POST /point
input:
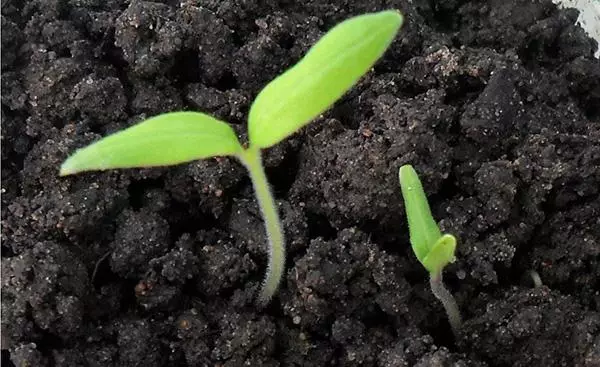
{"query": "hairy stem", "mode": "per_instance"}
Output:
(252, 160)
(441, 293)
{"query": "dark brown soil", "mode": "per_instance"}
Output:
(496, 104)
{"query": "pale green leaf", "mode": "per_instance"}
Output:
(166, 139)
(441, 254)
(329, 69)
(423, 230)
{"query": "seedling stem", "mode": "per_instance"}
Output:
(251, 158)
(440, 292)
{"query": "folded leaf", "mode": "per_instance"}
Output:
(166, 139)
(331, 67)
(440, 255)
(423, 230)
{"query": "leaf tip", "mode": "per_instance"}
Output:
(394, 15)
(76, 163)
(67, 168)
(393, 19)
(406, 172)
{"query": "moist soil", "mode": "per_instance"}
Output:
(496, 104)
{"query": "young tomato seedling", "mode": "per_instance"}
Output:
(433, 249)
(289, 102)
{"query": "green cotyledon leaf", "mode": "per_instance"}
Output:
(329, 69)
(424, 231)
(167, 139)
(440, 255)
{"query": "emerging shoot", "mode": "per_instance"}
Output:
(433, 249)
(289, 102)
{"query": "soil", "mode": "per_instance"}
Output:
(496, 104)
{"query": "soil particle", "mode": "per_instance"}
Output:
(153, 97)
(568, 255)
(12, 39)
(220, 271)
(193, 330)
(245, 339)
(176, 266)
(345, 276)
(138, 343)
(588, 88)
(46, 286)
(16, 99)
(531, 325)
(140, 237)
(491, 116)
(149, 36)
(28, 355)
(211, 180)
(108, 90)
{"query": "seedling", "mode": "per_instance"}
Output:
(289, 102)
(433, 249)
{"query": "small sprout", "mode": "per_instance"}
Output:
(433, 249)
(289, 102)
(536, 279)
